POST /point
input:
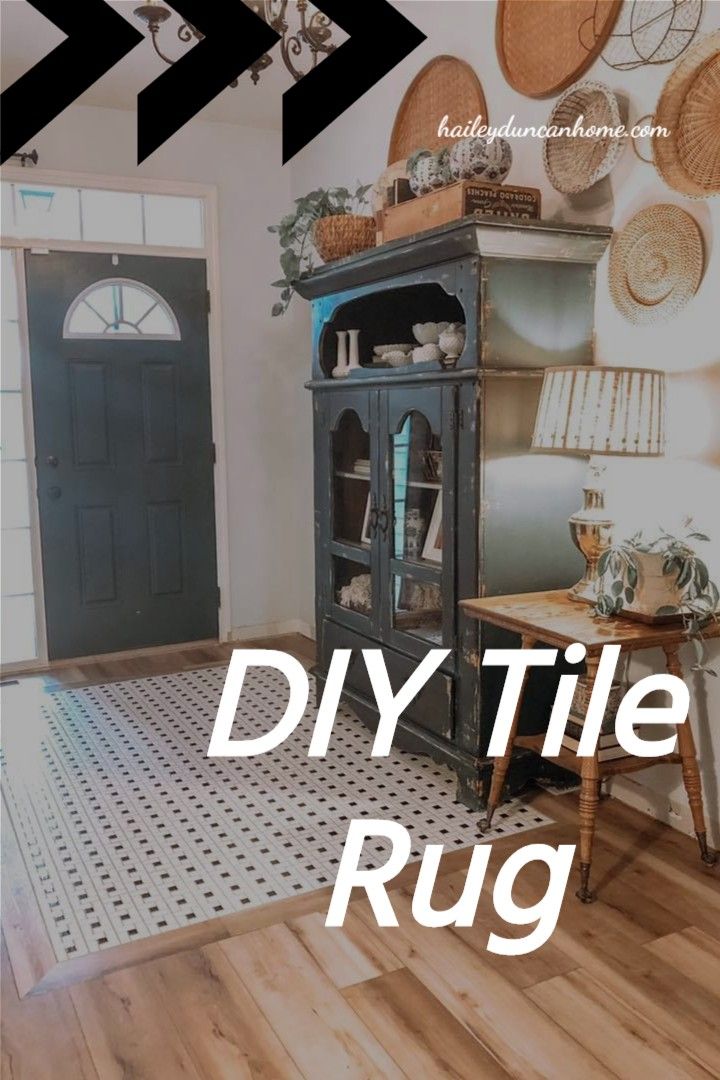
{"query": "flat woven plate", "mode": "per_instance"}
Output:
(446, 86)
(656, 264)
(545, 45)
(689, 107)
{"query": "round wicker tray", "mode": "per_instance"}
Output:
(446, 86)
(574, 163)
(656, 264)
(545, 45)
(689, 107)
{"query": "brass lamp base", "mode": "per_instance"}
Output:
(591, 530)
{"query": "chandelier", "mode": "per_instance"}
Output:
(300, 45)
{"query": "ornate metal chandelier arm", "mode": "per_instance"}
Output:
(156, 47)
(314, 33)
(318, 32)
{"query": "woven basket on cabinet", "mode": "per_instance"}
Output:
(343, 234)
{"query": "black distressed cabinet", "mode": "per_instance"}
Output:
(426, 492)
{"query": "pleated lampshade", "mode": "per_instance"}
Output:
(601, 410)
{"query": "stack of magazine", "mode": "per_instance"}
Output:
(609, 749)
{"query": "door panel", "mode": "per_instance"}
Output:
(89, 409)
(161, 444)
(124, 450)
(96, 529)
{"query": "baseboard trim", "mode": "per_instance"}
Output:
(40, 667)
(672, 812)
(274, 629)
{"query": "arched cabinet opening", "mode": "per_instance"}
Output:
(387, 318)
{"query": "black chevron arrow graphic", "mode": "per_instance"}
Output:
(97, 37)
(233, 39)
(380, 37)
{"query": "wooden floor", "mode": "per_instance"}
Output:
(628, 987)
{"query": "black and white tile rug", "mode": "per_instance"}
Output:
(127, 829)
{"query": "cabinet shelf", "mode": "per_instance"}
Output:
(347, 475)
(420, 569)
(431, 485)
(348, 549)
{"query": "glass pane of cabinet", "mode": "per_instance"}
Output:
(416, 462)
(352, 587)
(417, 608)
(351, 481)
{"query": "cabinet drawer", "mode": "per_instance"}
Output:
(432, 709)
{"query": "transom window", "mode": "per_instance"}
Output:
(119, 308)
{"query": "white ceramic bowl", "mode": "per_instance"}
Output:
(380, 350)
(428, 333)
(429, 351)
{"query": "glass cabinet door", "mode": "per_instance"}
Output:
(419, 585)
(352, 512)
(417, 464)
(351, 480)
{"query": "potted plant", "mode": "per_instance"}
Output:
(328, 220)
(659, 580)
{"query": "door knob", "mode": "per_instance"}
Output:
(54, 492)
(52, 461)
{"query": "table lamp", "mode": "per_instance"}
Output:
(600, 411)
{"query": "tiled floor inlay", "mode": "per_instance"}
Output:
(128, 829)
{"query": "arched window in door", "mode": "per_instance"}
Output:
(121, 309)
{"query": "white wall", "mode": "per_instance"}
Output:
(268, 413)
(688, 347)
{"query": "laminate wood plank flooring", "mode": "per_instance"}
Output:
(629, 986)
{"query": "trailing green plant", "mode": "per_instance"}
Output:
(295, 233)
(618, 573)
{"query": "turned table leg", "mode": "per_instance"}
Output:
(501, 765)
(690, 770)
(589, 800)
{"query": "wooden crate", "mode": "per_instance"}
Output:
(456, 201)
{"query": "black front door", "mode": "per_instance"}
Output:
(124, 451)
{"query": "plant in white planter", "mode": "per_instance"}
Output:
(659, 580)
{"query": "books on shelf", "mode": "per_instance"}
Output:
(609, 749)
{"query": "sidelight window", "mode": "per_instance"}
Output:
(119, 308)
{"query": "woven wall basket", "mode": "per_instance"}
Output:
(689, 107)
(545, 45)
(343, 234)
(574, 163)
(656, 264)
(446, 86)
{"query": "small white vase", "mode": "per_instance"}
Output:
(341, 368)
(354, 361)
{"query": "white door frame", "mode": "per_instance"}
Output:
(210, 253)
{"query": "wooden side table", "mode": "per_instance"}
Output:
(551, 618)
